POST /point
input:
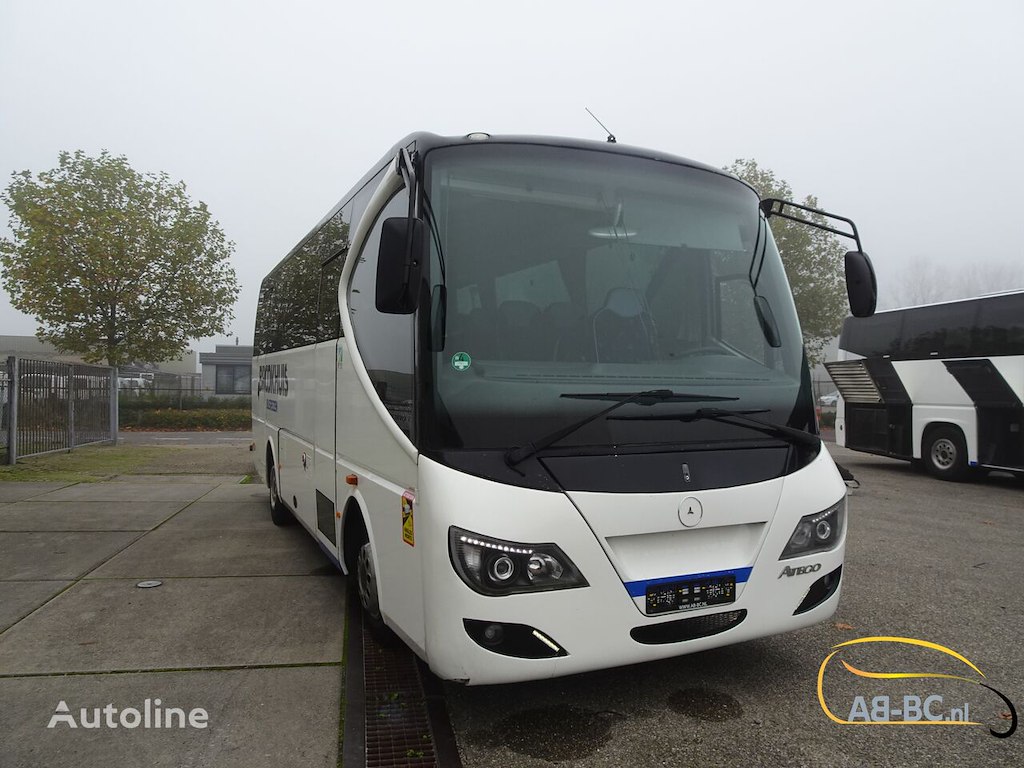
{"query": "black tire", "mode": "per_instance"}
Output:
(945, 454)
(366, 590)
(279, 513)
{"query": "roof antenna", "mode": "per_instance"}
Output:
(611, 136)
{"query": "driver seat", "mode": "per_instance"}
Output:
(623, 330)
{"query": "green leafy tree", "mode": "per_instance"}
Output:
(115, 265)
(813, 259)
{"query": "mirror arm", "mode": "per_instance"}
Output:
(407, 170)
(768, 206)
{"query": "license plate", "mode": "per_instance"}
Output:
(689, 594)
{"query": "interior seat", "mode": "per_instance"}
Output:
(623, 330)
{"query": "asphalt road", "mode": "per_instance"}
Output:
(925, 559)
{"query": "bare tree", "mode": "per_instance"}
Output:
(924, 282)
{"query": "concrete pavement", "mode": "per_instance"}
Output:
(247, 625)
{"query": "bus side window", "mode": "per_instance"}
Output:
(295, 304)
(333, 241)
(262, 341)
(385, 342)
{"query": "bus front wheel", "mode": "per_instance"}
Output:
(945, 454)
(366, 586)
(279, 513)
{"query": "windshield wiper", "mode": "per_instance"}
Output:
(731, 417)
(514, 456)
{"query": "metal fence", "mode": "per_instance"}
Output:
(5, 409)
(51, 406)
(179, 391)
(822, 386)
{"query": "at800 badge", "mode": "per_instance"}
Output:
(461, 361)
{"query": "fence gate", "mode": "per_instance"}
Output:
(51, 406)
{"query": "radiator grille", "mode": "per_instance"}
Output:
(854, 382)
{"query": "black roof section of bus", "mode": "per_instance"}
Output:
(925, 330)
(423, 142)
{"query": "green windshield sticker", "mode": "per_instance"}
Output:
(461, 361)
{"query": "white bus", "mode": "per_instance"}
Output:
(547, 400)
(941, 384)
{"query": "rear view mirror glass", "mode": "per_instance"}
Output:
(398, 265)
(861, 286)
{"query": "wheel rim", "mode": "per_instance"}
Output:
(366, 582)
(944, 453)
(274, 500)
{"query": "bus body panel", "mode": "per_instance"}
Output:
(1012, 371)
(324, 475)
(593, 623)
(298, 491)
(399, 565)
(366, 447)
(644, 537)
(938, 399)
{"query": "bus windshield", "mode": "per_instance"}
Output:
(580, 271)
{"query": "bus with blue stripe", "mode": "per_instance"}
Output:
(546, 402)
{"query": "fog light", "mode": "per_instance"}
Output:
(493, 634)
(517, 640)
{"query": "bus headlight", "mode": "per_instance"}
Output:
(819, 532)
(496, 567)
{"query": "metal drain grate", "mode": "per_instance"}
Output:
(397, 724)
(395, 715)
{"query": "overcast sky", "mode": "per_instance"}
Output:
(907, 117)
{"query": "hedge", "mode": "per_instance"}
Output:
(227, 419)
(130, 403)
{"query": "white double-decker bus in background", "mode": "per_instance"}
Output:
(942, 384)
(547, 401)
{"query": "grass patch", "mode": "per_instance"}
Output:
(87, 464)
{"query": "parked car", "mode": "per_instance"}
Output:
(132, 382)
(830, 399)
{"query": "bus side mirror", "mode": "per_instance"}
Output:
(861, 286)
(399, 265)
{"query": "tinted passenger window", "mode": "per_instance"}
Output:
(1000, 328)
(875, 336)
(333, 240)
(261, 341)
(329, 324)
(924, 332)
(295, 299)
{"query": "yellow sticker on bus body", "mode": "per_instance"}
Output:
(408, 522)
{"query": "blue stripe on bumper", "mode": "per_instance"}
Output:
(639, 588)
